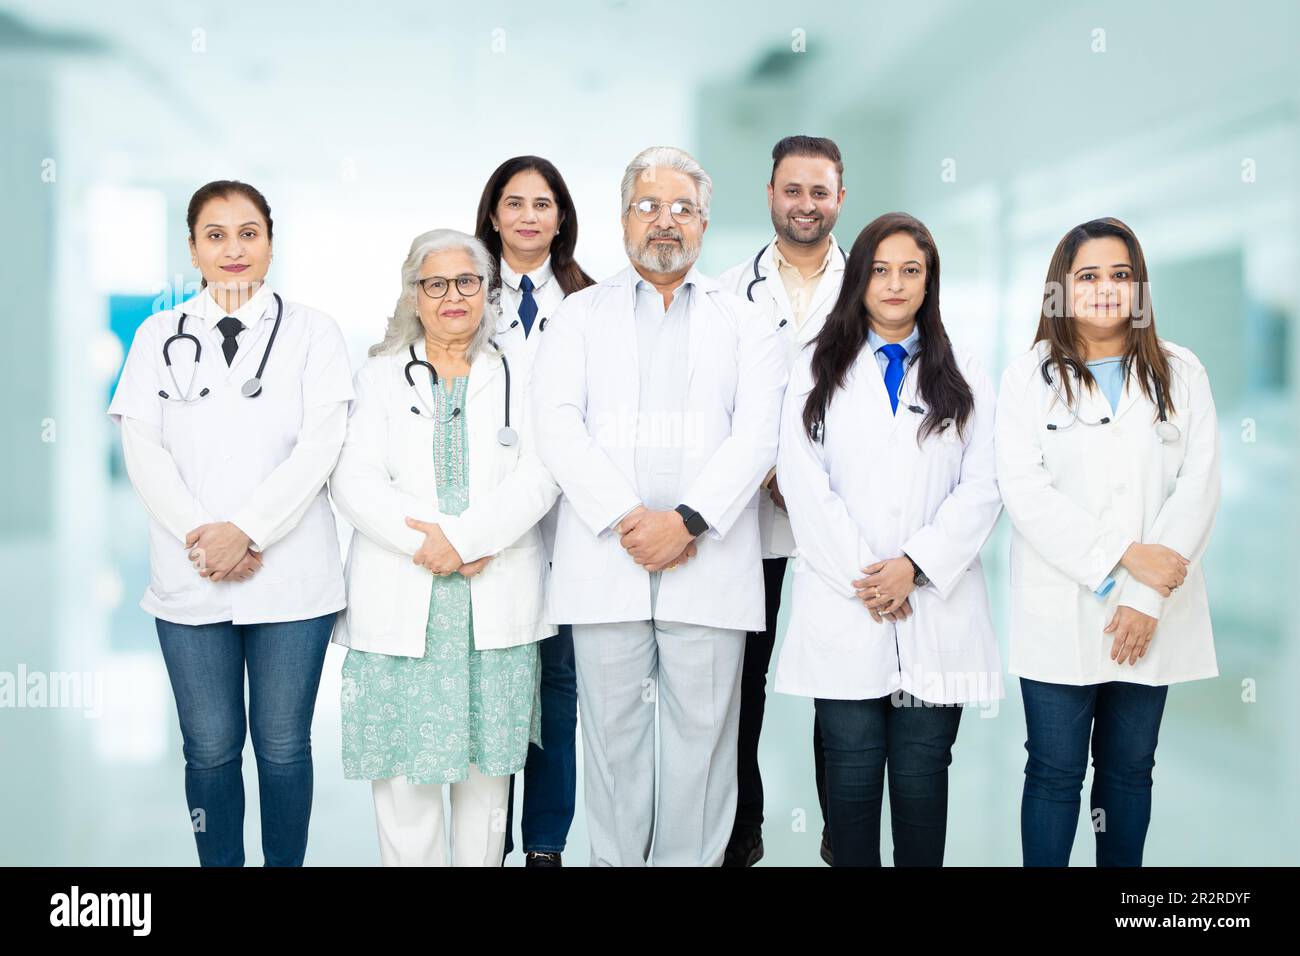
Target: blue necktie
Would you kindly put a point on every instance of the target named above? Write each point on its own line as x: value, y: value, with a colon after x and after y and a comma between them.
x: 897, y: 355
x: 527, y: 304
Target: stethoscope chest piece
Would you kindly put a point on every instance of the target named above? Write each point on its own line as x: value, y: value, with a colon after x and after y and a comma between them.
x: 1168, y: 432
x: 507, y: 437
x: 250, y: 388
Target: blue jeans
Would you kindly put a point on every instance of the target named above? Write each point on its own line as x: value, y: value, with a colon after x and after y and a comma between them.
x: 1123, y: 722
x: 206, y: 665
x: 860, y: 738
x: 551, y: 773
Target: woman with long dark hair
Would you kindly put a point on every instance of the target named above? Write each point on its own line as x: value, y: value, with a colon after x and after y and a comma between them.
x: 1107, y: 454
x: 527, y: 220
x: 886, y: 463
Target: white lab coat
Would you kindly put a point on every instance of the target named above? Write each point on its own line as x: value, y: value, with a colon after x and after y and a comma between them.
x: 774, y: 307
x: 1079, y: 496
x: 586, y: 384
x: 869, y: 493
x: 520, y: 349
x: 521, y: 353
x: 225, y: 447
x: 386, y: 472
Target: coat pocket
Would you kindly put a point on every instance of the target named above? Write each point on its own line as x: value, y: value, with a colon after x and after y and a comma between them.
x: 373, y: 575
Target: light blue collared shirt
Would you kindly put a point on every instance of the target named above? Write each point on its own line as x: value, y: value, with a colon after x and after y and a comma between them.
x: 1109, y: 373
x: 663, y: 340
x: 909, y: 344
x: 663, y: 343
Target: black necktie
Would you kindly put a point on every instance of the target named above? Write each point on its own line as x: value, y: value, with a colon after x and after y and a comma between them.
x: 230, y: 327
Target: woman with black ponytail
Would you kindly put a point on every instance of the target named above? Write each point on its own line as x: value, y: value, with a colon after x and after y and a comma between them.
x: 887, y: 466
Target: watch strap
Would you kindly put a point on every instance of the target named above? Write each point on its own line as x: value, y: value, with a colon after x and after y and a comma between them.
x: 693, y: 520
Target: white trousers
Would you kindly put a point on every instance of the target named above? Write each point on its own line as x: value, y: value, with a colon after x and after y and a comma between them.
x: 412, y: 829
x: 691, y: 675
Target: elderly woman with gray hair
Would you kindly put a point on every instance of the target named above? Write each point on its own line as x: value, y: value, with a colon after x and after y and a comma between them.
x: 446, y: 572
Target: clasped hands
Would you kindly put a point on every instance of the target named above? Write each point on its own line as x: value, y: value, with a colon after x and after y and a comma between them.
x: 438, y: 556
x: 656, y: 540
x: 884, y: 587
x: 220, y: 551
x: 1160, y: 568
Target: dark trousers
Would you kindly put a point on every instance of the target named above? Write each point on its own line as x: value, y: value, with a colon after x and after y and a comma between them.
x: 753, y: 701
x: 1122, y: 721
x: 914, y: 741
x: 551, y: 772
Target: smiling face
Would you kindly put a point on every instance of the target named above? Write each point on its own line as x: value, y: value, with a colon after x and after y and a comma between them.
x: 896, y: 287
x: 455, y: 317
x: 1100, y: 286
x: 230, y: 245
x: 527, y: 215
x: 663, y: 245
x: 805, y: 198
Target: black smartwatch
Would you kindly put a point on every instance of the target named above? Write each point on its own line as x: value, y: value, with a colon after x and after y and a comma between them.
x: 918, y: 576
x: 695, y: 523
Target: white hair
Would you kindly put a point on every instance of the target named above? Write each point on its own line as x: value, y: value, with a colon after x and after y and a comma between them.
x: 404, y: 327
x: 667, y: 157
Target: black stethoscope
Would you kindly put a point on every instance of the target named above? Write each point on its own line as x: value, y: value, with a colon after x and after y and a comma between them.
x: 506, y: 436
x: 749, y: 289
x: 819, y: 428
x: 1166, y: 431
x: 250, y: 389
x: 541, y: 325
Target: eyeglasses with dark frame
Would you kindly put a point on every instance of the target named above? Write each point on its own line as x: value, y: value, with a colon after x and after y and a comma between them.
x: 435, y: 287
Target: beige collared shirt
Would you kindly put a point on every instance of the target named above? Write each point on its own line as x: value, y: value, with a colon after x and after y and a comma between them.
x: 799, y: 289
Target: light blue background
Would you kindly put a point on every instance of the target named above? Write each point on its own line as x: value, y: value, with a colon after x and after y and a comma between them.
x: 367, y: 125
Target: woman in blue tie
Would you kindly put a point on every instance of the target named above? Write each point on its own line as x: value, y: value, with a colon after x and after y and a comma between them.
x: 527, y: 220
x: 886, y: 462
